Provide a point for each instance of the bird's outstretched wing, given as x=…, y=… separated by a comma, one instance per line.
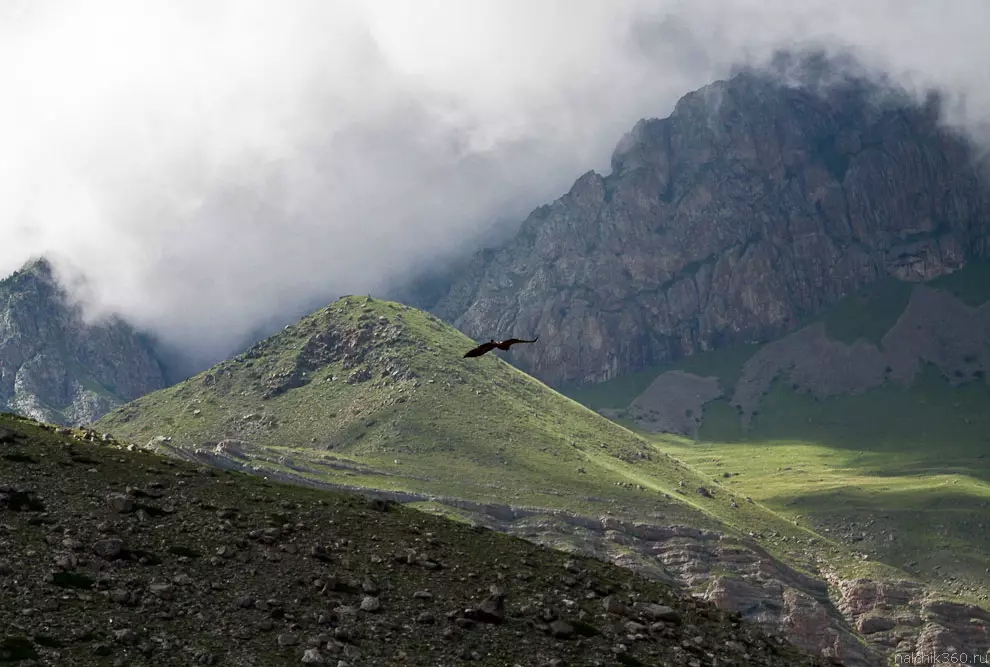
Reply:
x=480, y=350
x=512, y=341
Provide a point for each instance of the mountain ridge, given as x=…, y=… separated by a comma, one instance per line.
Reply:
x=753, y=205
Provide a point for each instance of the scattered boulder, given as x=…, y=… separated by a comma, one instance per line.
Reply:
x=869, y=625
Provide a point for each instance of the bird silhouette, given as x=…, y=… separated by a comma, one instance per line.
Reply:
x=485, y=348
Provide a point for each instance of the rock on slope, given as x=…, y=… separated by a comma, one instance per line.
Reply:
x=56, y=367
x=751, y=205
x=119, y=557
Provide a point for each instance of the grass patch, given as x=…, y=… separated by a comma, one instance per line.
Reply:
x=612, y=394
x=971, y=284
x=868, y=314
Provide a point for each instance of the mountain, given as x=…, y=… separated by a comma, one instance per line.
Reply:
x=152, y=561
x=754, y=205
x=372, y=395
x=57, y=367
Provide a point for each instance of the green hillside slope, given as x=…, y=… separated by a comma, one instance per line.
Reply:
x=376, y=394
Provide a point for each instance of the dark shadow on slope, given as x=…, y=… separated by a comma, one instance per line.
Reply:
x=928, y=428
x=970, y=285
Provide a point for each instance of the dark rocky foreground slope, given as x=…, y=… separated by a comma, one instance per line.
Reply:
x=117, y=557
x=57, y=367
x=752, y=205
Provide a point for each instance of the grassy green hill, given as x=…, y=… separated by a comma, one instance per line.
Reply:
x=381, y=394
x=899, y=472
x=373, y=394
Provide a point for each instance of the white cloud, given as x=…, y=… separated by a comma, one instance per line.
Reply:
x=214, y=167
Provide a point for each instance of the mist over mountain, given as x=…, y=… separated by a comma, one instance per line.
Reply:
x=753, y=206
x=211, y=173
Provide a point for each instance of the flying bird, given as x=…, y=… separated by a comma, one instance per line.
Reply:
x=484, y=348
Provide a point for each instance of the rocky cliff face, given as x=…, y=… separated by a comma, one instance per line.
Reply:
x=752, y=205
x=57, y=368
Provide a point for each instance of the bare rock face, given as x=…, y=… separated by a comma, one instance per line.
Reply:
x=56, y=367
x=912, y=628
x=764, y=591
x=752, y=205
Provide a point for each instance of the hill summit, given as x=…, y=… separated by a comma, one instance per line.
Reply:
x=389, y=384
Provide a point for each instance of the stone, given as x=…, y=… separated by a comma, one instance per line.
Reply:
x=869, y=625
x=109, y=549
x=659, y=612
x=561, y=629
x=313, y=657
x=371, y=604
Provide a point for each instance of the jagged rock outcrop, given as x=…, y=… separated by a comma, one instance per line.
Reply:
x=56, y=367
x=899, y=617
x=752, y=205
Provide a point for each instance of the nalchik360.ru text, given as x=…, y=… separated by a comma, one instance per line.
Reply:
x=944, y=658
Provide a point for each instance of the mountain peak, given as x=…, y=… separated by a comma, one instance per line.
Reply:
x=37, y=268
x=57, y=367
x=40, y=268
x=41, y=265
x=759, y=199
